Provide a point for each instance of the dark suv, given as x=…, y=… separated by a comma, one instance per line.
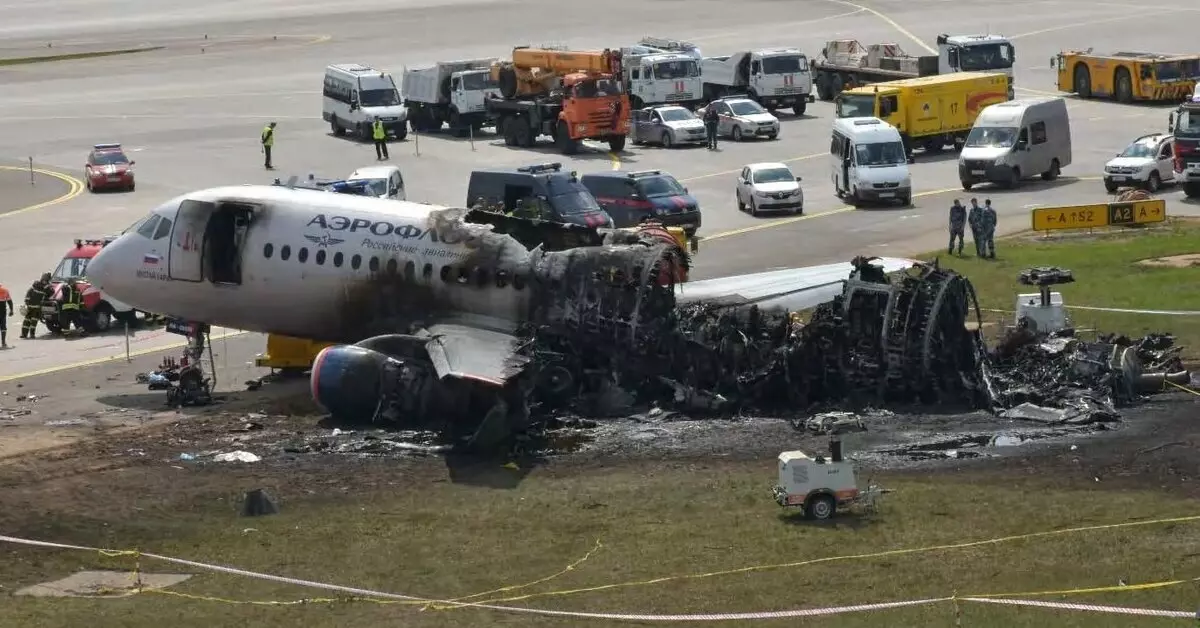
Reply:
x=539, y=191
x=632, y=197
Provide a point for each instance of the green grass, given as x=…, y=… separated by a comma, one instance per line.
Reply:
x=442, y=540
x=1106, y=275
x=75, y=56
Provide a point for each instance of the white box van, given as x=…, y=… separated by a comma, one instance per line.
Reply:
x=869, y=162
x=1015, y=140
x=355, y=95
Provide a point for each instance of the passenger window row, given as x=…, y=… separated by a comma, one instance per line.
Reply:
x=477, y=276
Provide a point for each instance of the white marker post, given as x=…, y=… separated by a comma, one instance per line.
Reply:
x=417, y=143
x=128, y=358
x=471, y=136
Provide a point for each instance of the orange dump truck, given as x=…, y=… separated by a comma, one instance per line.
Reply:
x=568, y=95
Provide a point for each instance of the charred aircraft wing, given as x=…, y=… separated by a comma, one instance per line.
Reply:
x=469, y=351
x=794, y=288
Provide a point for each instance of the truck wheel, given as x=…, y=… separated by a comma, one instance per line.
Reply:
x=836, y=84
x=562, y=138
x=1054, y=171
x=737, y=134
x=456, y=124
x=1123, y=86
x=1083, y=81
x=822, y=85
x=967, y=186
x=616, y=143
x=933, y=145
x=401, y=133
x=800, y=108
x=1191, y=190
x=1014, y=178
x=820, y=508
x=509, y=127
x=100, y=320
x=508, y=82
x=337, y=129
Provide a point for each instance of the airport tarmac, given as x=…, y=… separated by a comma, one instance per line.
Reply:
x=190, y=114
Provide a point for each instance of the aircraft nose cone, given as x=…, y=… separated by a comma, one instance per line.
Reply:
x=100, y=268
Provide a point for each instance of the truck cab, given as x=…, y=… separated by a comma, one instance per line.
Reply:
x=976, y=53
x=99, y=310
x=468, y=90
x=655, y=77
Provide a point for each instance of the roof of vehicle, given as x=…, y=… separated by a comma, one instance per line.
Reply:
x=372, y=172
x=355, y=68
x=767, y=165
x=661, y=107
x=866, y=128
x=1012, y=110
x=926, y=81
x=530, y=170
x=1132, y=56
x=1152, y=138
x=619, y=174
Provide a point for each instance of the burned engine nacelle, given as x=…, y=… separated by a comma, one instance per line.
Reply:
x=347, y=381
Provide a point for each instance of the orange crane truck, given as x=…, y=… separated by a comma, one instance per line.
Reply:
x=569, y=95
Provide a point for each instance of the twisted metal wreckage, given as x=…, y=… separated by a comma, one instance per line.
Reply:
x=605, y=322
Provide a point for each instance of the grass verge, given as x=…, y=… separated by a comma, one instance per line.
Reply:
x=428, y=537
x=1106, y=275
x=75, y=56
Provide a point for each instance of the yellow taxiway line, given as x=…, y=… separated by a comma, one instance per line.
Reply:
x=75, y=188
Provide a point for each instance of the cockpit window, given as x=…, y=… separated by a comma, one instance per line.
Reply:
x=135, y=226
x=163, y=230
x=148, y=227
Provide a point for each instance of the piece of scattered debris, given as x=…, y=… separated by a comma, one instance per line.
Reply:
x=257, y=503
x=103, y=584
x=236, y=456
x=248, y=426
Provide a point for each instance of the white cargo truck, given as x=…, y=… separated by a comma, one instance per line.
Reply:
x=449, y=92
x=662, y=71
x=774, y=78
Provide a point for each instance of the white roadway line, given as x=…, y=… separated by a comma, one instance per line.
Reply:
x=724, y=34
x=1105, y=20
x=891, y=22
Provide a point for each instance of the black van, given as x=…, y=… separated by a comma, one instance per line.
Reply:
x=542, y=191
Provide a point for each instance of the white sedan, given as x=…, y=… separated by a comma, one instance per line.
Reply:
x=769, y=186
x=740, y=118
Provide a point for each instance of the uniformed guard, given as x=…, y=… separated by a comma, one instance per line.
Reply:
x=958, y=223
x=974, y=221
x=711, y=121
x=987, y=228
x=268, y=140
x=33, y=306
x=5, y=298
x=379, y=134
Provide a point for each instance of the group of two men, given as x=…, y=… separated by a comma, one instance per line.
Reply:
x=378, y=135
x=982, y=221
x=39, y=293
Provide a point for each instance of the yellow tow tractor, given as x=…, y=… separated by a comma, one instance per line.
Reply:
x=293, y=356
x=1127, y=76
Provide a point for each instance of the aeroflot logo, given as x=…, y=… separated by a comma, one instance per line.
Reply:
x=381, y=228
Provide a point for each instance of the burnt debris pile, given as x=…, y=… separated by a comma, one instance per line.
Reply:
x=1061, y=378
x=611, y=320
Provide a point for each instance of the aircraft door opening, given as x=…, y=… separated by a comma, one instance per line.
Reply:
x=186, y=262
x=224, y=242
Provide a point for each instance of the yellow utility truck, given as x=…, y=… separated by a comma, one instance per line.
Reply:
x=1127, y=76
x=929, y=111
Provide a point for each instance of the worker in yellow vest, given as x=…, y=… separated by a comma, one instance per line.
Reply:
x=72, y=303
x=268, y=140
x=379, y=134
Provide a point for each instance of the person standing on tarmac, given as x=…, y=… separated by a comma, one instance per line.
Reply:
x=958, y=222
x=987, y=228
x=379, y=134
x=710, y=124
x=33, y=306
x=268, y=141
x=5, y=298
x=975, y=221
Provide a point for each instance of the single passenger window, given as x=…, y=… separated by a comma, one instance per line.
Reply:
x=635, y=73
x=1166, y=151
x=1039, y=132
x=268, y=250
x=481, y=277
x=427, y=272
x=337, y=259
x=410, y=271
x=464, y=274
x=392, y=267
x=518, y=282
x=164, y=229
x=302, y=256
x=445, y=274
x=501, y=278
x=285, y=253
x=356, y=261
x=320, y=257
x=374, y=265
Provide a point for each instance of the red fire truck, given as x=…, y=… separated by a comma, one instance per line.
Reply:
x=99, y=310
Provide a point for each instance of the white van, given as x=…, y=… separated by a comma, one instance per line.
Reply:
x=869, y=162
x=355, y=95
x=1015, y=140
x=380, y=181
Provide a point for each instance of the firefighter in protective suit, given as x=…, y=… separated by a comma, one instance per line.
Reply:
x=37, y=293
x=72, y=306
